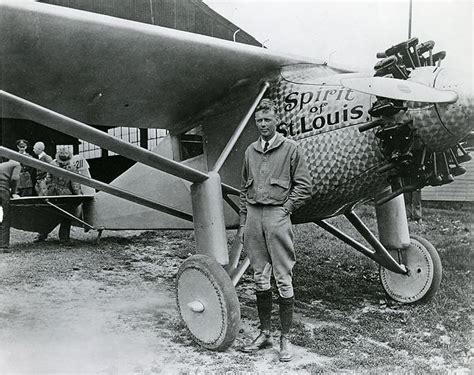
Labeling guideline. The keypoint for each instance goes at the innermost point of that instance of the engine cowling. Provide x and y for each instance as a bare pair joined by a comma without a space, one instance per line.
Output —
441,126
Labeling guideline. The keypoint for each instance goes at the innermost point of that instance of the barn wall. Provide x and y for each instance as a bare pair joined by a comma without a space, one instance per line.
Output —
462,189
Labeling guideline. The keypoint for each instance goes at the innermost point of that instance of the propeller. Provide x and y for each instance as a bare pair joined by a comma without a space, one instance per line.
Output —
418,146
399,89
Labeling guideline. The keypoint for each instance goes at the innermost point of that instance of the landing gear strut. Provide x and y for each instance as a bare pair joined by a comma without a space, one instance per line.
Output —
410,267
206,296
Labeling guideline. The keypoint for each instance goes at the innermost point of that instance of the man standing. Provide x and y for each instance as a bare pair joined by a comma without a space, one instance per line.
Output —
40,186
275,182
413,202
57,185
9,177
25,186
82,167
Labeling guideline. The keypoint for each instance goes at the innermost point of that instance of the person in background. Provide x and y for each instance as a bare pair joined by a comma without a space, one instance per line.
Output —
82,167
25,185
9,177
413,203
40,186
275,182
57,185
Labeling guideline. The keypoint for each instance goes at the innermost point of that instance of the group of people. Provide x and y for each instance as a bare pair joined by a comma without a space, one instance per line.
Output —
19,180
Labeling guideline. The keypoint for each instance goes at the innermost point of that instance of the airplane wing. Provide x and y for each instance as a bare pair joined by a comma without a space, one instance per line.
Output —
107,71
42,214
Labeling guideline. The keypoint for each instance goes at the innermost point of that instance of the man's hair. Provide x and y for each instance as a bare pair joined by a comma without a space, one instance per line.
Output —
267,105
39,145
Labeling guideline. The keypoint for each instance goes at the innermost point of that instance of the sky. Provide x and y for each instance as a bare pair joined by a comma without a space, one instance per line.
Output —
349,33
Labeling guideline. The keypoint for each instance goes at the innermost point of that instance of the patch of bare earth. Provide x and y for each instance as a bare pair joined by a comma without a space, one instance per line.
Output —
109,308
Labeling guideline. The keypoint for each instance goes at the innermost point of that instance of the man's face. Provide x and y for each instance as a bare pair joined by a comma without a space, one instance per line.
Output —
266,122
21,148
37,150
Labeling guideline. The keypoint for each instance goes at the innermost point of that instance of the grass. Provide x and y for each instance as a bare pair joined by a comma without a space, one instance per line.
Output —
336,285
343,313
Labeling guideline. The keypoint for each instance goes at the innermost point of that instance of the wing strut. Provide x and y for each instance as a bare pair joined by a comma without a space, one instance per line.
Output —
238,131
80,130
31,162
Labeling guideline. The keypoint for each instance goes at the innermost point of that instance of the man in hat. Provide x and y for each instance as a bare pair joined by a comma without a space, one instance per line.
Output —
275,182
9,177
25,185
57,185
40,186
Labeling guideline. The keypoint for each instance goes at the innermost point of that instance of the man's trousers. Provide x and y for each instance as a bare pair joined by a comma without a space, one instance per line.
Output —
6,222
268,240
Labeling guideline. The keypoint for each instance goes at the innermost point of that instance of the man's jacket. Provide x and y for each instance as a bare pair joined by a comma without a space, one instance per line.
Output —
277,177
9,171
41,174
57,185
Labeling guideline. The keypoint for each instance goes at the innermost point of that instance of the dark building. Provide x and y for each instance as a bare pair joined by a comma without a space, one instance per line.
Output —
185,15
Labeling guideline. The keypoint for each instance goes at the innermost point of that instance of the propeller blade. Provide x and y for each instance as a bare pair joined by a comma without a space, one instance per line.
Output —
399,89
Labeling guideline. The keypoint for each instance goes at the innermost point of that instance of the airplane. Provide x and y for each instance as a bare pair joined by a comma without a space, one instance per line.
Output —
364,136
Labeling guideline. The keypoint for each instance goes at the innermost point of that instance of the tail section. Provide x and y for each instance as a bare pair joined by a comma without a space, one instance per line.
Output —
111,212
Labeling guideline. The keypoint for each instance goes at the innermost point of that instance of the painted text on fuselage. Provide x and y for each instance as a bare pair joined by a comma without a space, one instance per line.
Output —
315,110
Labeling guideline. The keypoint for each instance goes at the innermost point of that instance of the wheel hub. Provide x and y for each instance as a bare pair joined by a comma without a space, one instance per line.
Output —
413,285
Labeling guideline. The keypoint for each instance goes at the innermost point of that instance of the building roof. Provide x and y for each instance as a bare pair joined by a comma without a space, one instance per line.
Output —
186,15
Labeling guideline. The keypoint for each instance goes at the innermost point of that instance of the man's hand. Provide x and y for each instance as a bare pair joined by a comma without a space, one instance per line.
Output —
15,196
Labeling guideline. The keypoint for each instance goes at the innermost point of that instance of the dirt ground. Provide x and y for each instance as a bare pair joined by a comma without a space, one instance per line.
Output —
109,308
106,309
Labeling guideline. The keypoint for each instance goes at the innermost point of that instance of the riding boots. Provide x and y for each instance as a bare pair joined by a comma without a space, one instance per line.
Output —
264,308
263,340
286,353
286,320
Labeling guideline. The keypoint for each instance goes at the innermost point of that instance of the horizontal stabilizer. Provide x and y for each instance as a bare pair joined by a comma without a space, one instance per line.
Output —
39,214
399,89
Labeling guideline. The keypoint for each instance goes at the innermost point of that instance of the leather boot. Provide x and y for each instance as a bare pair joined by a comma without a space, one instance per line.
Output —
264,308
263,340
286,314
286,351
286,320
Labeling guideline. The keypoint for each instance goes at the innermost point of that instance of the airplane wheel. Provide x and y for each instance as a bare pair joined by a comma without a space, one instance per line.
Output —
207,302
424,273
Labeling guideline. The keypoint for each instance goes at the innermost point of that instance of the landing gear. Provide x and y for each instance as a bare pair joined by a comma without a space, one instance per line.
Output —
424,273
207,302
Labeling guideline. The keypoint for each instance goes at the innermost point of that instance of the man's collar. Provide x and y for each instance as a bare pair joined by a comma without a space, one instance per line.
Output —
277,140
41,154
270,142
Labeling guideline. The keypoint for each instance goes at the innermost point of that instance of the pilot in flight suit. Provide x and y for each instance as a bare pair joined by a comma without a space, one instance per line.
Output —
275,182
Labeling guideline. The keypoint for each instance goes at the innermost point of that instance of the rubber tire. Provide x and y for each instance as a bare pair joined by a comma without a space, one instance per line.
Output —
437,273
437,268
207,270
